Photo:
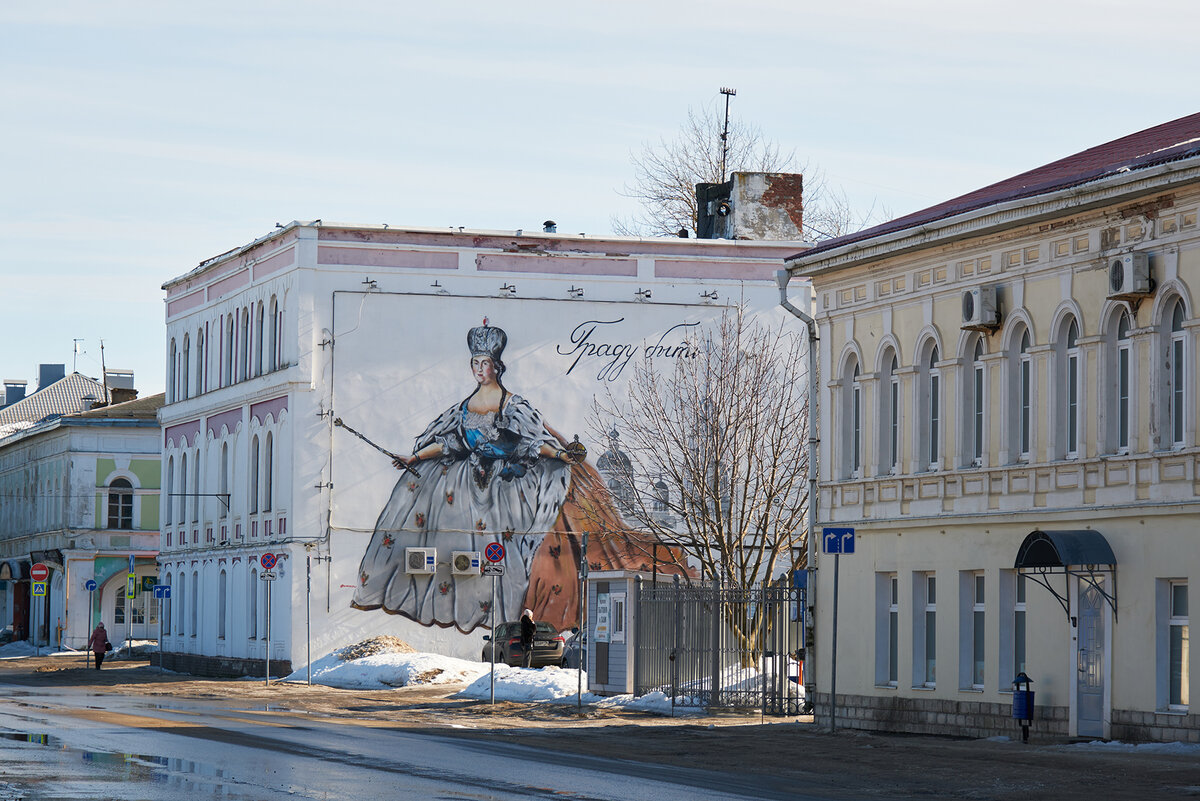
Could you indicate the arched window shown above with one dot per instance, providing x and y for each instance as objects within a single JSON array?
[
  {"x": 187, "y": 366},
  {"x": 930, "y": 403},
  {"x": 170, "y": 485},
  {"x": 1020, "y": 397},
  {"x": 851, "y": 420},
  {"x": 258, "y": 340},
  {"x": 1120, "y": 382},
  {"x": 225, "y": 499},
  {"x": 252, "y": 594},
  {"x": 1174, "y": 384},
  {"x": 181, "y": 607},
  {"x": 889, "y": 415},
  {"x": 273, "y": 345},
  {"x": 200, "y": 364},
  {"x": 254, "y": 475},
  {"x": 196, "y": 487},
  {"x": 195, "y": 601},
  {"x": 228, "y": 347},
  {"x": 120, "y": 504},
  {"x": 244, "y": 347},
  {"x": 172, "y": 359},
  {"x": 166, "y": 611},
  {"x": 183, "y": 488},
  {"x": 269, "y": 474},
  {"x": 222, "y": 604},
  {"x": 974, "y": 405},
  {"x": 1069, "y": 383}
]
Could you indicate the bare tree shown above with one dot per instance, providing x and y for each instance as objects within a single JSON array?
[
  {"x": 666, "y": 174},
  {"x": 714, "y": 455}
]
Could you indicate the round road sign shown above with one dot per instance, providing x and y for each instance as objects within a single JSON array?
[
  {"x": 267, "y": 560},
  {"x": 89, "y": 585},
  {"x": 39, "y": 572},
  {"x": 494, "y": 552}
]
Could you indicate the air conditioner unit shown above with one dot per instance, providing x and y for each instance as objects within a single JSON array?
[
  {"x": 420, "y": 560},
  {"x": 979, "y": 310},
  {"x": 1129, "y": 276},
  {"x": 465, "y": 563}
]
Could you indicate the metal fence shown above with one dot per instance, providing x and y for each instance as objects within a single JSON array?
[{"x": 697, "y": 645}]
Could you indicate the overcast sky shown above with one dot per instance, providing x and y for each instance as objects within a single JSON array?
[{"x": 139, "y": 138}]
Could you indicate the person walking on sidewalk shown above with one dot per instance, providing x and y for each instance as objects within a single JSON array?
[
  {"x": 528, "y": 627},
  {"x": 99, "y": 643}
]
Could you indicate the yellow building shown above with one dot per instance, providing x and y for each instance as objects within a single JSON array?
[{"x": 1008, "y": 421}]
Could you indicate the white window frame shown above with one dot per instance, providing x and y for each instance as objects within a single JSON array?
[
  {"x": 972, "y": 639},
  {"x": 1174, "y": 658},
  {"x": 1024, "y": 398},
  {"x": 856, "y": 423},
  {"x": 1123, "y": 383},
  {"x": 222, "y": 603},
  {"x": 934, "y": 416},
  {"x": 978, "y": 403},
  {"x": 924, "y": 630},
  {"x": 1177, "y": 405}
]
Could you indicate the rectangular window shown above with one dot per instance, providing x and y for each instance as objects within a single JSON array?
[
  {"x": 856, "y": 457},
  {"x": 978, "y": 631},
  {"x": 1177, "y": 636},
  {"x": 887, "y": 629},
  {"x": 924, "y": 630}
]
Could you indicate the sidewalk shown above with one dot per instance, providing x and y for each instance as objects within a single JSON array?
[{"x": 845, "y": 765}]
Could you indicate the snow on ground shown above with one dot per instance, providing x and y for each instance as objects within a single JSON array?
[
  {"x": 387, "y": 670},
  {"x": 1186, "y": 749},
  {"x": 17, "y": 649}
]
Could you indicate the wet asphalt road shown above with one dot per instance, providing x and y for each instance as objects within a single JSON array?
[{"x": 62, "y": 744}]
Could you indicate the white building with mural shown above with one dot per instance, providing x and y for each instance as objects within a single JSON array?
[
  {"x": 376, "y": 405},
  {"x": 1008, "y": 421}
]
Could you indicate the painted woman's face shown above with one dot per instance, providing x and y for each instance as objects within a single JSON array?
[{"x": 484, "y": 369}]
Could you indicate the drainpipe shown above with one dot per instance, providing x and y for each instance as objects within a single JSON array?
[{"x": 782, "y": 277}]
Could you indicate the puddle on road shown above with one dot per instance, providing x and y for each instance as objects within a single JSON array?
[{"x": 187, "y": 777}]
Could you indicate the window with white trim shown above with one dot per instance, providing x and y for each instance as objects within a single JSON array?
[
  {"x": 887, "y": 629},
  {"x": 228, "y": 346},
  {"x": 1178, "y": 377},
  {"x": 222, "y": 604},
  {"x": 254, "y": 463},
  {"x": 930, "y": 402},
  {"x": 856, "y": 423},
  {"x": 187, "y": 366},
  {"x": 252, "y": 594},
  {"x": 172, "y": 367},
  {"x": 120, "y": 504},
  {"x": 200, "y": 364},
  {"x": 972, "y": 637},
  {"x": 269, "y": 474},
  {"x": 258, "y": 340},
  {"x": 1174, "y": 663},
  {"x": 183, "y": 483},
  {"x": 181, "y": 606},
  {"x": 1120, "y": 383},
  {"x": 1020, "y": 399},
  {"x": 1069, "y": 378},
  {"x": 225, "y": 500},
  {"x": 924, "y": 630},
  {"x": 170, "y": 485}
]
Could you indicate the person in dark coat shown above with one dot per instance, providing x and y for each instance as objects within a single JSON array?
[
  {"x": 99, "y": 644},
  {"x": 528, "y": 627}
]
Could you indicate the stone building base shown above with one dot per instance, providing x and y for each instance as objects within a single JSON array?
[
  {"x": 221, "y": 666},
  {"x": 980, "y": 719},
  {"x": 938, "y": 716}
]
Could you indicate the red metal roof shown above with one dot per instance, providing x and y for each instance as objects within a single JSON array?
[{"x": 1167, "y": 142}]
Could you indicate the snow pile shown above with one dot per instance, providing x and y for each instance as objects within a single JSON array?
[
  {"x": 386, "y": 670},
  {"x": 17, "y": 649},
  {"x": 376, "y": 645},
  {"x": 524, "y": 684},
  {"x": 1185, "y": 749}
]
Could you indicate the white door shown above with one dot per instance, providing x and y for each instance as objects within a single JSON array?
[{"x": 1090, "y": 664}]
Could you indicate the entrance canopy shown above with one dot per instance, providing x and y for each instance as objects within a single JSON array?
[{"x": 1082, "y": 553}]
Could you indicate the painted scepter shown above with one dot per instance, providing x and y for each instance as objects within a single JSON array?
[{"x": 396, "y": 458}]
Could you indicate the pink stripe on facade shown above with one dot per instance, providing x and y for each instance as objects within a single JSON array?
[
  {"x": 740, "y": 271},
  {"x": 373, "y": 257},
  {"x": 555, "y": 265},
  {"x": 181, "y": 432},
  {"x": 227, "y": 285},
  {"x": 268, "y": 407},
  {"x": 275, "y": 263},
  {"x": 228, "y": 419},
  {"x": 183, "y": 304}
]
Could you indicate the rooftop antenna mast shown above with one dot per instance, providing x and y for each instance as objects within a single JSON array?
[
  {"x": 104, "y": 374},
  {"x": 725, "y": 131},
  {"x": 75, "y": 355}
]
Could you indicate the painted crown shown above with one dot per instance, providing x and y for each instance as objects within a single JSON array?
[{"x": 486, "y": 340}]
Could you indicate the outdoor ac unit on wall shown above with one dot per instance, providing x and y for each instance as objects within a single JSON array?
[
  {"x": 1129, "y": 276},
  {"x": 979, "y": 311},
  {"x": 420, "y": 560},
  {"x": 464, "y": 563}
]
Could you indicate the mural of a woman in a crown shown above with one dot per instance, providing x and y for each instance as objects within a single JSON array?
[{"x": 487, "y": 469}]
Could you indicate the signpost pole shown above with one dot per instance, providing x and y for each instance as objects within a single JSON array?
[
  {"x": 89, "y": 628},
  {"x": 308, "y": 615},
  {"x": 160, "y": 636},
  {"x": 493, "y": 640},
  {"x": 837, "y": 557},
  {"x": 267, "y": 679},
  {"x": 580, "y": 637}
]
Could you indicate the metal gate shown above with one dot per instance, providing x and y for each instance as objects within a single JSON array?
[{"x": 708, "y": 646}]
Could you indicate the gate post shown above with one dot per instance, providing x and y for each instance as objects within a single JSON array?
[
  {"x": 718, "y": 609},
  {"x": 637, "y": 635}
]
